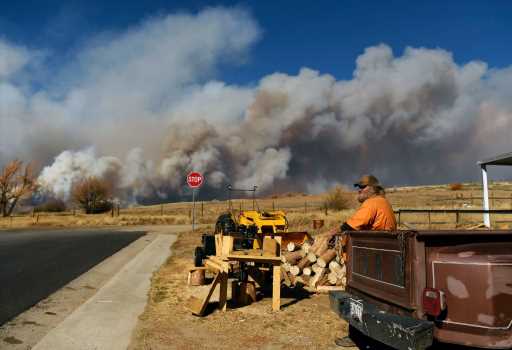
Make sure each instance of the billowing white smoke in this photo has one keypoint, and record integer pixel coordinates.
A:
(71, 167)
(148, 102)
(133, 176)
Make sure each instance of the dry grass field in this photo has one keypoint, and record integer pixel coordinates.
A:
(301, 209)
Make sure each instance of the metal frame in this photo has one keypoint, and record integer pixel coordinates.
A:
(502, 159)
(253, 190)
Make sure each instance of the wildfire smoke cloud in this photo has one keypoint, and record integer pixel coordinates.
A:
(141, 107)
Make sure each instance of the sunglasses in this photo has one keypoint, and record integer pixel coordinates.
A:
(361, 187)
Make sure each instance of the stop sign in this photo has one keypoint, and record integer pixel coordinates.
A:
(195, 179)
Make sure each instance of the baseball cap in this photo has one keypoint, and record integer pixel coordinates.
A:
(367, 180)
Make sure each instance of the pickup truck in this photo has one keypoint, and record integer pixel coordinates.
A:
(410, 289)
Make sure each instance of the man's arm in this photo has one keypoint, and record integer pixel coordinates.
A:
(363, 217)
(346, 227)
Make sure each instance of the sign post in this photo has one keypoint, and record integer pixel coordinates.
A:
(194, 181)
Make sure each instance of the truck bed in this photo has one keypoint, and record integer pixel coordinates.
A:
(390, 270)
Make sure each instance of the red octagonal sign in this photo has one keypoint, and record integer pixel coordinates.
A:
(195, 179)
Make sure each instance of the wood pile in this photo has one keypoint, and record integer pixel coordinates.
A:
(314, 264)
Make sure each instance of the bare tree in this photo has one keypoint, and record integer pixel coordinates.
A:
(93, 195)
(16, 182)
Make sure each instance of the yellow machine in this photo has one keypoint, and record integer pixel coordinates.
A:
(249, 227)
(246, 245)
(253, 225)
(262, 223)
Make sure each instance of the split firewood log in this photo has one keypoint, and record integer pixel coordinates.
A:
(324, 280)
(322, 248)
(339, 270)
(307, 271)
(319, 241)
(294, 270)
(285, 278)
(316, 268)
(305, 280)
(292, 246)
(304, 262)
(311, 257)
(326, 257)
(333, 278)
(340, 282)
(292, 257)
(293, 280)
(316, 278)
(306, 247)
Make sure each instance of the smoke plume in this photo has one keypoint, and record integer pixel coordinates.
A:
(144, 107)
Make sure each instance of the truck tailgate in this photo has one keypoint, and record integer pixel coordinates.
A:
(378, 266)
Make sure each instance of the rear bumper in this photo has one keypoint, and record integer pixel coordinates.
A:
(399, 332)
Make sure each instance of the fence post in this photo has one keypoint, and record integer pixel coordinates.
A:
(399, 212)
(202, 208)
(325, 206)
(429, 221)
(457, 219)
(273, 206)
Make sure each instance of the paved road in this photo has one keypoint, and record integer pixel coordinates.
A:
(34, 264)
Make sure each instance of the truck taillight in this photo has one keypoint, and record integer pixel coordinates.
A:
(433, 301)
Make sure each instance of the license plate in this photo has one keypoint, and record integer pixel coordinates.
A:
(356, 310)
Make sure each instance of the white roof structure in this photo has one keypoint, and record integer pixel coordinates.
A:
(502, 159)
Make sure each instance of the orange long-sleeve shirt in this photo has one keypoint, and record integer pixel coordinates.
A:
(374, 214)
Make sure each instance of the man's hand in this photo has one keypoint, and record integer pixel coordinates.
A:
(333, 231)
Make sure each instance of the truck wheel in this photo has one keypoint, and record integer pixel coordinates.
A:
(198, 256)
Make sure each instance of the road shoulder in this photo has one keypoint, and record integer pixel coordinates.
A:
(29, 327)
(106, 320)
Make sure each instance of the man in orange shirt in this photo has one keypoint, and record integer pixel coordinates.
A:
(375, 212)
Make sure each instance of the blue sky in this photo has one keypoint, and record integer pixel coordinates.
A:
(323, 35)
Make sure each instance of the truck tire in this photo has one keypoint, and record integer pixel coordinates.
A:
(198, 256)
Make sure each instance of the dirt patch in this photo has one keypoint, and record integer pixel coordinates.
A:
(305, 320)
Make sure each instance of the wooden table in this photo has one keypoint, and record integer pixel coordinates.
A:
(276, 273)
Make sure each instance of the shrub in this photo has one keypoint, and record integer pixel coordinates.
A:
(101, 207)
(455, 186)
(337, 199)
(52, 205)
(93, 195)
